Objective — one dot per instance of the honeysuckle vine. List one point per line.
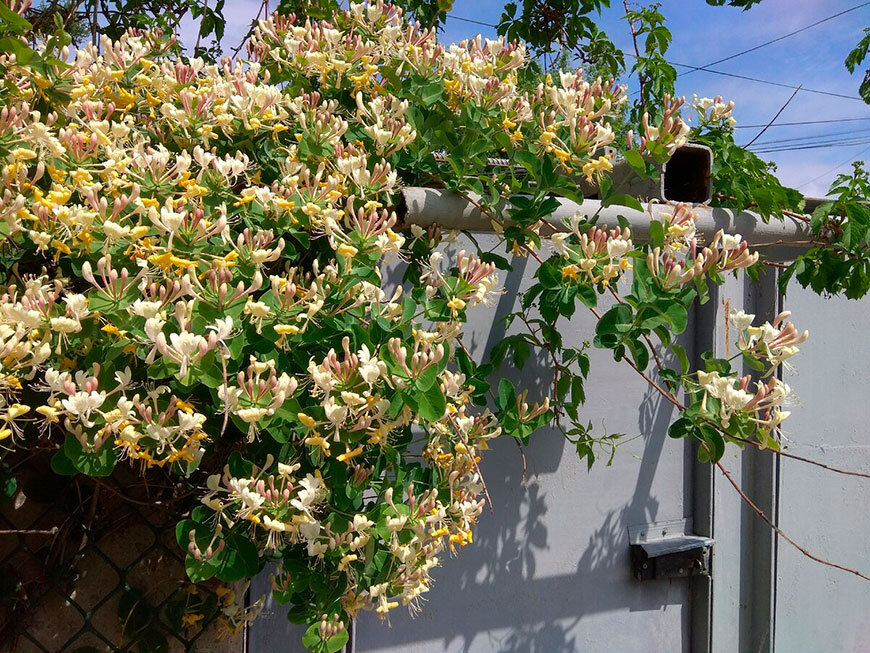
(195, 262)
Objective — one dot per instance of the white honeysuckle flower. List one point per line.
(335, 413)
(558, 240)
(617, 247)
(370, 368)
(222, 328)
(81, 404)
(65, 325)
(229, 396)
(741, 320)
(146, 309)
(731, 241)
(124, 378)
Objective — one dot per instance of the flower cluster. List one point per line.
(681, 259)
(200, 255)
(593, 256)
(770, 344)
(670, 134)
(713, 111)
(196, 278)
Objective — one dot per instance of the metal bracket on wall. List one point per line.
(668, 550)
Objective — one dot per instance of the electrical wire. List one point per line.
(803, 122)
(807, 138)
(784, 36)
(804, 89)
(705, 68)
(470, 20)
(858, 140)
(851, 159)
(773, 120)
(817, 146)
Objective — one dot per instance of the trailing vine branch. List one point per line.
(758, 511)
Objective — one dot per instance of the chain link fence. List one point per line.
(90, 565)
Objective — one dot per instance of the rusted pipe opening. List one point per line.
(688, 175)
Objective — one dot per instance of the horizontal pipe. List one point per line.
(779, 240)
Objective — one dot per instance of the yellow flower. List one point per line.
(17, 410)
(23, 154)
(138, 232)
(596, 166)
(346, 560)
(318, 441)
(61, 248)
(570, 272)
(347, 251)
(348, 455)
(49, 413)
(456, 304)
(168, 260)
(377, 436)
(307, 420)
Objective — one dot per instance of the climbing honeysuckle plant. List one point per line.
(194, 261)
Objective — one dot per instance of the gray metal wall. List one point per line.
(549, 569)
(819, 608)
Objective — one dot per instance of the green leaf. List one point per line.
(427, 379)
(621, 199)
(23, 52)
(615, 321)
(528, 160)
(656, 233)
(62, 465)
(680, 353)
(635, 160)
(713, 447)
(639, 353)
(550, 275)
(587, 295)
(682, 428)
(238, 560)
(8, 482)
(197, 570)
(97, 463)
(431, 404)
(507, 397)
(13, 21)
(431, 93)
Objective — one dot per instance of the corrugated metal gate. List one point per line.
(549, 571)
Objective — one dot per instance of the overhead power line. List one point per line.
(852, 158)
(816, 146)
(707, 69)
(470, 20)
(773, 120)
(804, 89)
(813, 137)
(803, 122)
(784, 36)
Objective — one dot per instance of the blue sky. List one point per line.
(703, 34)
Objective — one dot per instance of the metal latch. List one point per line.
(668, 550)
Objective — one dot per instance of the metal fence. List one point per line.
(92, 565)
